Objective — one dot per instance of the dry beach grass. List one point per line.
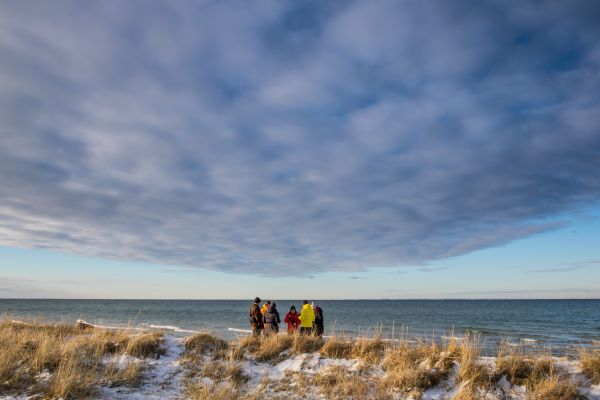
(71, 357)
(60, 361)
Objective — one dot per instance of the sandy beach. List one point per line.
(39, 360)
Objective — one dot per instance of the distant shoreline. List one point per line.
(275, 299)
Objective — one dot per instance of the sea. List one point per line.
(557, 326)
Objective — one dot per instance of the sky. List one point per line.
(291, 149)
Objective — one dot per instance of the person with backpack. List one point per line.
(307, 316)
(271, 320)
(255, 318)
(265, 307)
(292, 320)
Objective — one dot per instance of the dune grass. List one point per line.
(412, 368)
(537, 373)
(202, 343)
(336, 347)
(74, 358)
(203, 391)
(129, 374)
(554, 386)
(273, 348)
(76, 362)
(472, 374)
(340, 383)
(590, 364)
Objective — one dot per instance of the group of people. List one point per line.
(265, 319)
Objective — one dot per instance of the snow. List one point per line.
(592, 392)
(306, 363)
(161, 381)
(163, 376)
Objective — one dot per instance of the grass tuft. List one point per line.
(202, 343)
(146, 345)
(554, 387)
(273, 348)
(202, 391)
(590, 364)
(339, 383)
(369, 351)
(335, 347)
(128, 375)
(472, 373)
(306, 344)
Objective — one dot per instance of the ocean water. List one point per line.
(557, 325)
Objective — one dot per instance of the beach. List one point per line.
(41, 360)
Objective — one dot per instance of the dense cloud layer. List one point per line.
(294, 137)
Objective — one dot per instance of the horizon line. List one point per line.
(282, 299)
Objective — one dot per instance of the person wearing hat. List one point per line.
(255, 318)
(271, 320)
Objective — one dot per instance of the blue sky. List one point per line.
(342, 149)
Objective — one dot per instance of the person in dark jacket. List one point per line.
(255, 318)
(319, 326)
(271, 320)
(277, 319)
(292, 320)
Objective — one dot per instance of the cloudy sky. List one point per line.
(335, 149)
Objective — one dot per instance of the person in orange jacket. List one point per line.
(265, 307)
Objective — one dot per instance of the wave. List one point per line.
(239, 330)
(171, 328)
(452, 337)
(82, 321)
(528, 340)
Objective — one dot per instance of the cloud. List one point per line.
(294, 138)
(428, 269)
(527, 292)
(567, 267)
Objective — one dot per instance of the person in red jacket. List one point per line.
(292, 320)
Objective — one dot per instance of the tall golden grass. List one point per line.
(74, 358)
(590, 364)
(78, 361)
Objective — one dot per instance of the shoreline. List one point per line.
(136, 364)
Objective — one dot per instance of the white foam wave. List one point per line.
(239, 330)
(172, 328)
(452, 337)
(108, 326)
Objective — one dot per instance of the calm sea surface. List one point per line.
(562, 325)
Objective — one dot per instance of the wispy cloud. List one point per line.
(568, 267)
(527, 292)
(432, 269)
(291, 138)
